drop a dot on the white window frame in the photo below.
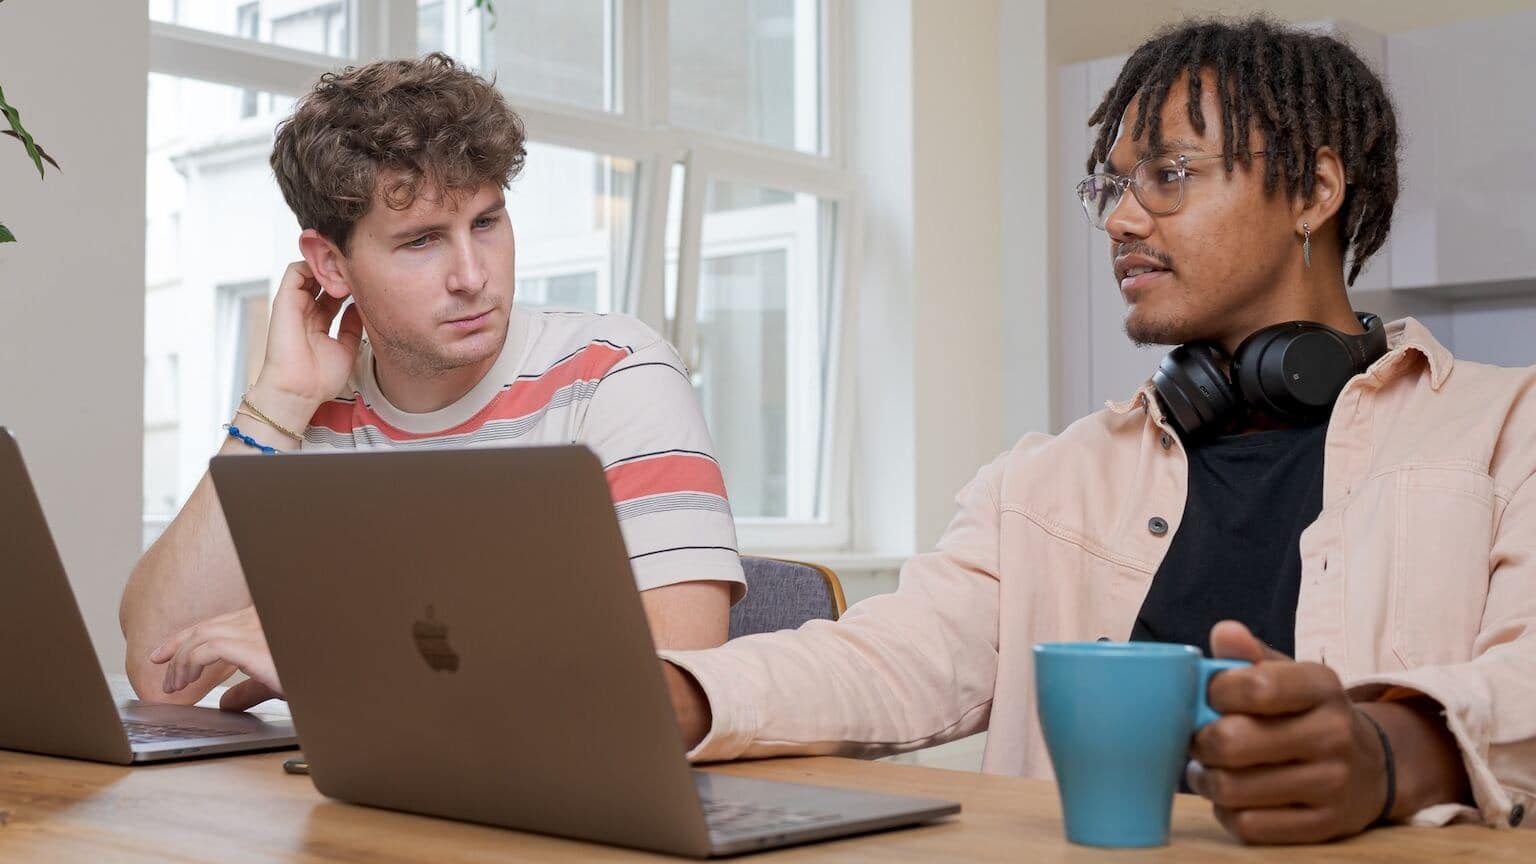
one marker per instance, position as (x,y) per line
(230,327)
(638,129)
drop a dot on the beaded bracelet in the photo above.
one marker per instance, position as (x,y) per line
(234,432)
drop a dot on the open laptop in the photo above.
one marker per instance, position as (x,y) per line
(57,701)
(459,634)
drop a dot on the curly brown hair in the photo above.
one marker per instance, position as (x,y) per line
(426,126)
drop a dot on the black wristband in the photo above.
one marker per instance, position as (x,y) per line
(1391,765)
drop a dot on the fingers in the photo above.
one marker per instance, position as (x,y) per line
(1231,639)
(321,311)
(1242,741)
(350,333)
(298,286)
(1297,783)
(189,662)
(1274,688)
(247,694)
(234,638)
(1280,825)
(298,275)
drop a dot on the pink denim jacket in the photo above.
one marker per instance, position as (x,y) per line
(1419,573)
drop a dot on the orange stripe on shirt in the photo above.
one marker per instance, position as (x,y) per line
(659,475)
(525,396)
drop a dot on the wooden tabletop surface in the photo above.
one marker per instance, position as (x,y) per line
(245,808)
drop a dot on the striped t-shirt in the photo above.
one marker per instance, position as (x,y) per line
(606,381)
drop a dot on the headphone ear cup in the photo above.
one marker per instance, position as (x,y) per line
(1293,371)
(1194,390)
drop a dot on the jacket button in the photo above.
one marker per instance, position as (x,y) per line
(1516,816)
(1158,526)
(1167,441)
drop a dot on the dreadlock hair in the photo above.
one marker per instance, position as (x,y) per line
(1299,90)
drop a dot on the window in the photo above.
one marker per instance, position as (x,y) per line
(217,234)
(307,25)
(763,331)
(748,69)
(572,211)
(556,51)
(248,26)
(322,29)
(680,168)
(243,312)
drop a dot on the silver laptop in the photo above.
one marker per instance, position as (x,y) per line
(57,701)
(459,634)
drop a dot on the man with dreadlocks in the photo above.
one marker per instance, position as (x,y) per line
(1296,481)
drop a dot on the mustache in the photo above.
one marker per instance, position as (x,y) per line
(1137,247)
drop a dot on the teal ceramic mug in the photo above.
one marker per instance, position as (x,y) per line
(1117,718)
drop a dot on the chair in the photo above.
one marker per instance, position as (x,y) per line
(782,595)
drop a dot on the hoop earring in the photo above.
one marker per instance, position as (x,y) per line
(1306,245)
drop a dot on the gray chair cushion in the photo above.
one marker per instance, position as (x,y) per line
(781,595)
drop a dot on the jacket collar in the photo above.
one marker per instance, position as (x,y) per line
(1406,338)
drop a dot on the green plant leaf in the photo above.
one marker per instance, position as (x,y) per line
(40,151)
(488,6)
(6,236)
(14,117)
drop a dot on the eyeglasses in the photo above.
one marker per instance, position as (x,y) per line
(1156,181)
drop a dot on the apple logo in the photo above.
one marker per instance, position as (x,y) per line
(432,641)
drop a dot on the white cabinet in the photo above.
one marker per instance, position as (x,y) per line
(1466,218)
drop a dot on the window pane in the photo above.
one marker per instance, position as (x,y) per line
(547,49)
(572,212)
(747,69)
(217,236)
(321,26)
(763,330)
(456,27)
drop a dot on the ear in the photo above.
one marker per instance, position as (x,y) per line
(1328,189)
(327,262)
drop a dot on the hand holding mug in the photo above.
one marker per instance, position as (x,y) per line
(1291,760)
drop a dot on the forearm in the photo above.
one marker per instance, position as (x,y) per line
(690,703)
(1429,766)
(189,575)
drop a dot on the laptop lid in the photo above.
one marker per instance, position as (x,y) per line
(403,594)
(57,700)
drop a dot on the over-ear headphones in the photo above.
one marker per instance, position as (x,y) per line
(1292,371)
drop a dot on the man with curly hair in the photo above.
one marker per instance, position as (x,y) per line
(396,171)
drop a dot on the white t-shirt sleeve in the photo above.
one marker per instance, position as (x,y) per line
(646,427)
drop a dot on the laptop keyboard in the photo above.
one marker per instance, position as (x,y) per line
(737,817)
(152,733)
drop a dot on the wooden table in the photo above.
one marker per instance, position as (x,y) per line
(245,808)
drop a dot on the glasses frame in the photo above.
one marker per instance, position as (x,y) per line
(1180,162)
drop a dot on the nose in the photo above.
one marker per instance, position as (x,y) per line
(1128,220)
(468,273)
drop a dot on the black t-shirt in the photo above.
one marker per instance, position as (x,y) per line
(1237,552)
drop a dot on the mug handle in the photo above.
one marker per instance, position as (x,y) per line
(1204,714)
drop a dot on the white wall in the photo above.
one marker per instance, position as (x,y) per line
(957,264)
(879,135)
(72,289)
(925,142)
(1087,31)
(1028,238)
